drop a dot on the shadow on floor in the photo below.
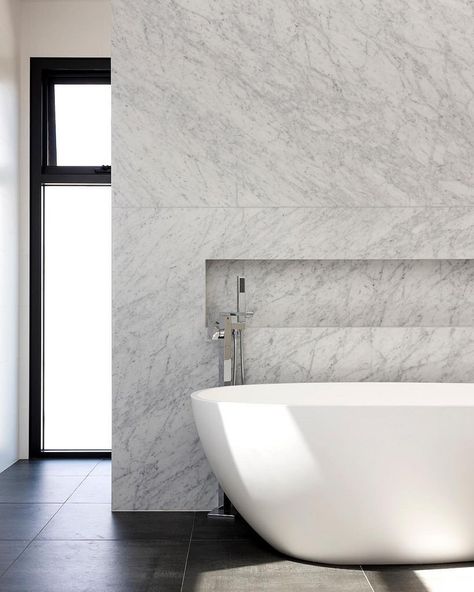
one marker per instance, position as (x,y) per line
(396,580)
(249,564)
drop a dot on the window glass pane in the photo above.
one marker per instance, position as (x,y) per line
(77,318)
(83,124)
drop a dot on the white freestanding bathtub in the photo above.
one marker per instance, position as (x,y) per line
(348,473)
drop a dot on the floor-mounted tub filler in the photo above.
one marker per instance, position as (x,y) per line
(347,473)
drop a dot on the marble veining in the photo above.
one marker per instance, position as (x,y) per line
(161,349)
(280,131)
(418,354)
(275,103)
(345,293)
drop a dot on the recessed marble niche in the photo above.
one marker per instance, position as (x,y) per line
(351,320)
(346,293)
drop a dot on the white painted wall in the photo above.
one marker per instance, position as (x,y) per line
(9,102)
(49,28)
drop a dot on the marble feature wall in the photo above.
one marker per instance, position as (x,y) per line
(278,131)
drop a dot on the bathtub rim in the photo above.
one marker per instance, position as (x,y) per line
(343,394)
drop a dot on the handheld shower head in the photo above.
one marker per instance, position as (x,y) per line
(241,295)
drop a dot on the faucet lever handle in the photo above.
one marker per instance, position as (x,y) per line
(217,334)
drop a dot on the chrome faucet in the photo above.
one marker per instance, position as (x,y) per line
(232,334)
(234,325)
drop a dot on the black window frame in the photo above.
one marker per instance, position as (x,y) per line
(44,73)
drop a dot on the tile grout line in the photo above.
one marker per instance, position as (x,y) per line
(105,540)
(73,492)
(61,505)
(187,554)
(367,579)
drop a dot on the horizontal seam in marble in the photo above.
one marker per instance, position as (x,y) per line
(342,326)
(201,207)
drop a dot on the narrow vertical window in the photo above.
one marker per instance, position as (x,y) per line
(70,293)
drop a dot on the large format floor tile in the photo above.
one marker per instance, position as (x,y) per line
(59,467)
(442,578)
(247,566)
(97,566)
(94,490)
(9,551)
(83,546)
(96,521)
(24,521)
(42,488)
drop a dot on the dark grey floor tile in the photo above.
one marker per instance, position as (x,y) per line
(247,566)
(102,468)
(24,521)
(441,578)
(64,467)
(94,490)
(9,551)
(96,521)
(38,488)
(221,529)
(97,566)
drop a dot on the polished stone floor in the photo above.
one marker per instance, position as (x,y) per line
(57,534)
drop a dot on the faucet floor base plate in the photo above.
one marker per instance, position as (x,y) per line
(222,513)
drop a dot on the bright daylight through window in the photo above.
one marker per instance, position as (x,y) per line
(77,314)
(70,376)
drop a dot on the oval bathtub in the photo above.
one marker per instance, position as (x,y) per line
(348,473)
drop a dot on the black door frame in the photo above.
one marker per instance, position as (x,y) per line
(44,171)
